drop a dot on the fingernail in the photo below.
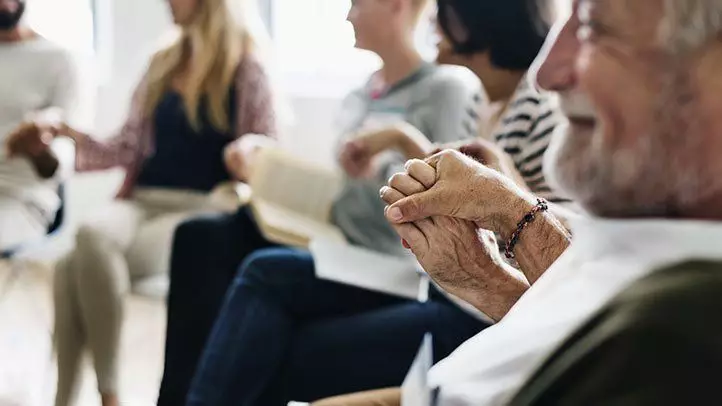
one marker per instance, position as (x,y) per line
(383,190)
(395,214)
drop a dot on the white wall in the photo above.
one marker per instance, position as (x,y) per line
(136,27)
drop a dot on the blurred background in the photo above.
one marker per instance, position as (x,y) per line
(315,65)
(314,57)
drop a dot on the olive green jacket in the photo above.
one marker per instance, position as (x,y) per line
(657,343)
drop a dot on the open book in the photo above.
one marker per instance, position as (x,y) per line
(292,198)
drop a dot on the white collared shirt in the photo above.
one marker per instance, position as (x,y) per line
(37,76)
(605,257)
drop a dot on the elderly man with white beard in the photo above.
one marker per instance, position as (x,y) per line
(639,81)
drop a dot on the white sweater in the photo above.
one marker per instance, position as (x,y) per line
(35,75)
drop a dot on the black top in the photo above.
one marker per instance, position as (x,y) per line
(185,158)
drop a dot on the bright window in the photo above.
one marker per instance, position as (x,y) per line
(67,22)
(313,40)
(82,26)
(315,46)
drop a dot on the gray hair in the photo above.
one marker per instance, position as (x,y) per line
(689,24)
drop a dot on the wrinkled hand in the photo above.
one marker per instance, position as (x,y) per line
(31,139)
(462,259)
(240,154)
(462,188)
(465,262)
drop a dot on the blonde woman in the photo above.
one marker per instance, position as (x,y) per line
(182,138)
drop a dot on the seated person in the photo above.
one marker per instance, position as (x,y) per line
(201,93)
(614,160)
(35,75)
(516,124)
(437,102)
(324,337)
(658,342)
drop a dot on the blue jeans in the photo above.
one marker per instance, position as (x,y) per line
(206,253)
(284,334)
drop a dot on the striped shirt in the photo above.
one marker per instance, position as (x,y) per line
(524,132)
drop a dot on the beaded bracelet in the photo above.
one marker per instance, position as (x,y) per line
(541,206)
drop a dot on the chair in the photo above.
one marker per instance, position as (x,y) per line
(12,254)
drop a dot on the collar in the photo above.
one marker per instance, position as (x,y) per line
(651,243)
(377,91)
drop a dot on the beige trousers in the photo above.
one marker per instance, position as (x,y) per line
(381,397)
(123,243)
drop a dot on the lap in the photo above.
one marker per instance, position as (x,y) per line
(129,236)
(217,243)
(130,224)
(149,253)
(287,276)
(379,397)
(373,349)
(348,339)
(112,227)
(124,229)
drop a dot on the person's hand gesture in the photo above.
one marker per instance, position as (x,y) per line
(462,188)
(463,259)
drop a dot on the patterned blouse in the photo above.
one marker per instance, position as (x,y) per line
(135,141)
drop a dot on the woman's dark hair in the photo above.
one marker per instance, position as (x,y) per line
(512,31)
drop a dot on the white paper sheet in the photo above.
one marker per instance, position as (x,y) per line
(415,390)
(348,264)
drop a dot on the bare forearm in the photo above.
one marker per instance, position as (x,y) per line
(414,145)
(539,245)
(496,301)
(506,166)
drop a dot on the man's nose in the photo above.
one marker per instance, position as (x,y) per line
(555,71)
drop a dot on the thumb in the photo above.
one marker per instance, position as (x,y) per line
(416,207)
(434,159)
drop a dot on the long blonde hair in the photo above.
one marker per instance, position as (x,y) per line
(223,33)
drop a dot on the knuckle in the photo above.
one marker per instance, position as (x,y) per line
(415,165)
